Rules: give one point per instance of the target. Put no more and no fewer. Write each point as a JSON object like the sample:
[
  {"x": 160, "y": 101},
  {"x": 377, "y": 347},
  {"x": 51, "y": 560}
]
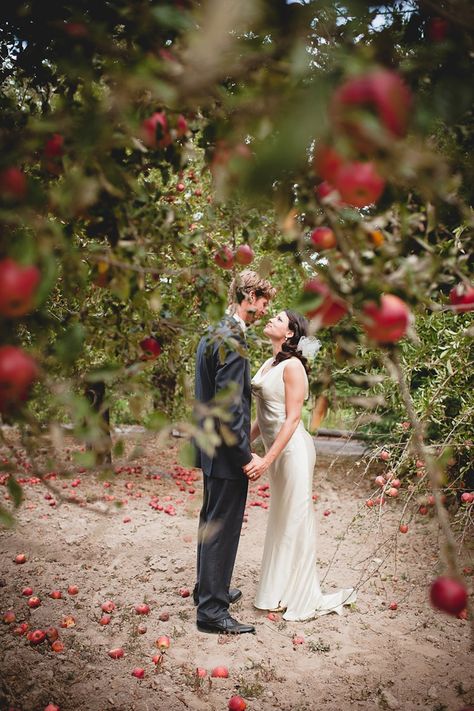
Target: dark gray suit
[{"x": 225, "y": 484}]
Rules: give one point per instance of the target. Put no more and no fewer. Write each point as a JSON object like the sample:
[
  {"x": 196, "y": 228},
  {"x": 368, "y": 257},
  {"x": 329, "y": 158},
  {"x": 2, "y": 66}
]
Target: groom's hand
[{"x": 256, "y": 467}]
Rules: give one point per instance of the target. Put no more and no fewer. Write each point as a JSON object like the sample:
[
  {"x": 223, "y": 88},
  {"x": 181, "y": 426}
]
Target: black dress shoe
[
  {"x": 226, "y": 626},
  {"x": 234, "y": 595}
]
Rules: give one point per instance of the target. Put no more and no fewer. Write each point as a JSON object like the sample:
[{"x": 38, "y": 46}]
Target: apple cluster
[
  {"x": 18, "y": 370},
  {"x": 157, "y": 132},
  {"x": 226, "y": 258},
  {"x": 368, "y": 112}
]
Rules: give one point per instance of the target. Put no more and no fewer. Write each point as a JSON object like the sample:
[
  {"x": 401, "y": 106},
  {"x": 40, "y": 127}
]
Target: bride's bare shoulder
[{"x": 294, "y": 366}]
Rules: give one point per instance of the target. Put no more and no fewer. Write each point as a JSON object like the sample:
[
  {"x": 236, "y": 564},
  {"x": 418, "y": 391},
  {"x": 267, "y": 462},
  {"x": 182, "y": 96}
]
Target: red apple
[
  {"x": 164, "y": 616},
  {"x": 327, "y": 193},
  {"x": 369, "y": 503},
  {"x": 116, "y": 653},
  {"x": 327, "y": 162},
  {"x": 138, "y": 672},
  {"x": 163, "y": 642},
  {"x": 244, "y": 254},
  {"x": 57, "y": 646},
  {"x": 184, "y": 592},
  {"x": 462, "y": 297},
  {"x": 18, "y": 371},
  {"x": 467, "y": 498},
  {"x": 13, "y": 184},
  {"x": 33, "y": 602},
  {"x": 54, "y": 146},
  {"x": 437, "y": 29},
  {"x": 403, "y": 528},
  {"x": 448, "y": 595},
  {"x": 36, "y": 636},
  {"x": 224, "y": 258},
  {"x": 393, "y": 606},
  {"x": 155, "y": 131},
  {"x": 332, "y": 308},
  {"x": 236, "y": 703},
  {"x": 104, "y": 620},
  {"x": 359, "y": 184},
  {"x": 18, "y": 286},
  {"x": 142, "y": 609},
  {"x": 396, "y": 483},
  {"x": 323, "y": 238},
  {"x": 297, "y": 639},
  {"x": 180, "y": 187},
  {"x": 142, "y": 629},
  {"x": 27, "y": 592},
  {"x": 381, "y": 92},
  {"x": 51, "y": 707},
  {"x": 9, "y": 617},
  {"x": 108, "y": 606},
  {"x": 21, "y": 629},
  {"x": 52, "y": 634},
  {"x": 76, "y": 29},
  {"x": 386, "y": 322},
  {"x": 151, "y": 347},
  {"x": 182, "y": 126},
  {"x": 201, "y": 673},
  {"x": 21, "y": 557},
  {"x": 68, "y": 621},
  {"x": 73, "y": 589},
  {"x": 384, "y": 455},
  {"x": 220, "y": 673},
  {"x": 56, "y": 594}
]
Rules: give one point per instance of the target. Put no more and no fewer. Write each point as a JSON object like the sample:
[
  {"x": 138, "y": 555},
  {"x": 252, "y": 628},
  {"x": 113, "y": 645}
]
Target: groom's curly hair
[
  {"x": 298, "y": 325},
  {"x": 248, "y": 282}
]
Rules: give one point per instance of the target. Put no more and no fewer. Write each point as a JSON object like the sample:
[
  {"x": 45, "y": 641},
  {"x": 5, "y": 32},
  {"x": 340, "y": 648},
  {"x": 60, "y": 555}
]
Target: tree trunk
[{"x": 95, "y": 393}]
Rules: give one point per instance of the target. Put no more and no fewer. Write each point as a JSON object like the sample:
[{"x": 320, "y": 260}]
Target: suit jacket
[{"x": 217, "y": 365}]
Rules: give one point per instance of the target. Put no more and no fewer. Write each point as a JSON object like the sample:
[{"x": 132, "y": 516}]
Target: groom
[{"x": 219, "y": 364}]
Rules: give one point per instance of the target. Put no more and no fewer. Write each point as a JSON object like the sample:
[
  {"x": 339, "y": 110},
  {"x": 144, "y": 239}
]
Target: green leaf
[
  {"x": 106, "y": 374},
  {"x": 15, "y": 490},
  {"x": 119, "y": 448},
  {"x": 106, "y": 475},
  {"x": 84, "y": 459},
  {"x": 6, "y": 519},
  {"x": 156, "y": 421},
  {"x": 49, "y": 274},
  {"x": 120, "y": 286},
  {"x": 70, "y": 345},
  {"x": 187, "y": 455},
  {"x": 172, "y": 18}
]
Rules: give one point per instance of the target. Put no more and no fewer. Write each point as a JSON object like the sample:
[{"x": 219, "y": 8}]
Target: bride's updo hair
[{"x": 298, "y": 325}]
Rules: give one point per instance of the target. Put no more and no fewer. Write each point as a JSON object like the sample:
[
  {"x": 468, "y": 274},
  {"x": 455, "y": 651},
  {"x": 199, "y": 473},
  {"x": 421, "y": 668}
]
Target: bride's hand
[{"x": 255, "y": 468}]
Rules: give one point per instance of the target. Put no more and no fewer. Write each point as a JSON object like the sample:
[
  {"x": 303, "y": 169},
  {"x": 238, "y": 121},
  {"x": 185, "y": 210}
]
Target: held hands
[{"x": 256, "y": 467}]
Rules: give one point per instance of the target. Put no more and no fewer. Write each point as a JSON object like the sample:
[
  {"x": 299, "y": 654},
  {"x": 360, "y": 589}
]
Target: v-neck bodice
[{"x": 268, "y": 388}]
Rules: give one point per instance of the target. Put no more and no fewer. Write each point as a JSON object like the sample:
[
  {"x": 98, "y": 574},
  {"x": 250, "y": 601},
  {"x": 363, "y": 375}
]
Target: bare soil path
[{"x": 371, "y": 657}]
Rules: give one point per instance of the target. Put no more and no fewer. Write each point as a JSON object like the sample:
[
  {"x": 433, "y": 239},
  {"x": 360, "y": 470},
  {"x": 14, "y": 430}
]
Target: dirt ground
[{"x": 371, "y": 657}]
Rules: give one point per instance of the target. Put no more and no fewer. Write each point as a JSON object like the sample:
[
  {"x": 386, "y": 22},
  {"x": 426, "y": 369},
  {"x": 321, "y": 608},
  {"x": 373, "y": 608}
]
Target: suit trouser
[{"x": 220, "y": 523}]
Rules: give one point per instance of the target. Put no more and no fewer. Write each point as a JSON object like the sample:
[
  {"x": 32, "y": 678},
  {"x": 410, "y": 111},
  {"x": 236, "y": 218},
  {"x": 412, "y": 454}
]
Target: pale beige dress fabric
[{"x": 289, "y": 577}]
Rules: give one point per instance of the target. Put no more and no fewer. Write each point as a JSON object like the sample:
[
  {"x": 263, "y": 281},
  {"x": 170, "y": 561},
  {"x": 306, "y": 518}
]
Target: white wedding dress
[{"x": 289, "y": 578}]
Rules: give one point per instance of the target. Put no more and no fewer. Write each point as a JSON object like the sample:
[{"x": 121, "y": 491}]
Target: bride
[{"x": 289, "y": 578}]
